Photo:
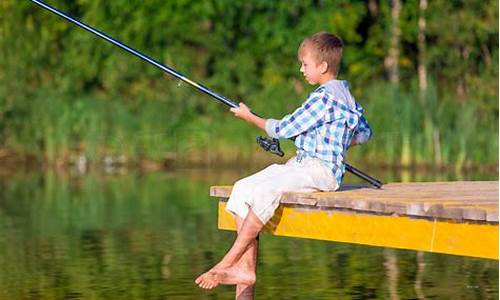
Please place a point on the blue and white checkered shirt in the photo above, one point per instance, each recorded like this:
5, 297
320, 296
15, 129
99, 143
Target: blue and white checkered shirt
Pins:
325, 125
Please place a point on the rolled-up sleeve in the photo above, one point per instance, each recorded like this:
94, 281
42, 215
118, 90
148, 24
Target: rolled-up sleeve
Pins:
271, 125
307, 116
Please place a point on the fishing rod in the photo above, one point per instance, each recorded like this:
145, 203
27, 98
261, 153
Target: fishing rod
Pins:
269, 144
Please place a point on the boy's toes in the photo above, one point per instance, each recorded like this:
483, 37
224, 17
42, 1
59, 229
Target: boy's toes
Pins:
203, 285
201, 280
206, 281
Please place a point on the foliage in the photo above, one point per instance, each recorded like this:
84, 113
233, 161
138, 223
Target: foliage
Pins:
62, 88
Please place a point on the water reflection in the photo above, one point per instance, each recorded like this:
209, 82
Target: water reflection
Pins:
147, 236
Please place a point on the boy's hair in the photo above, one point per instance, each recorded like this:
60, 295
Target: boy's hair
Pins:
325, 46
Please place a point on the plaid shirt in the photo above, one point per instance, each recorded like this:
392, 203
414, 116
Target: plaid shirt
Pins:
325, 125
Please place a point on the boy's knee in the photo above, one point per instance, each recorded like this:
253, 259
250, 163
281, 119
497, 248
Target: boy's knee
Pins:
241, 186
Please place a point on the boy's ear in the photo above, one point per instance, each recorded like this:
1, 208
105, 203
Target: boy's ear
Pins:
323, 67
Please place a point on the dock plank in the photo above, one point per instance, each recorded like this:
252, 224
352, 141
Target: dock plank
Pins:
458, 200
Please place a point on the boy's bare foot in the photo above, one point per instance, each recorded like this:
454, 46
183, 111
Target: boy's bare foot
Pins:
207, 280
234, 275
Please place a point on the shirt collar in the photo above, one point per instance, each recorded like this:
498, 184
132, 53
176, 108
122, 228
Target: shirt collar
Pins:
336, 83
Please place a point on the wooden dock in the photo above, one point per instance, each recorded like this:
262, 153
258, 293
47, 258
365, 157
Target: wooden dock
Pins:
459, 218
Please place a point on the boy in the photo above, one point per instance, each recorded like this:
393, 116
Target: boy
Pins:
326, 124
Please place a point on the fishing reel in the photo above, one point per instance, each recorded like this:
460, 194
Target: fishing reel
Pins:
270, 144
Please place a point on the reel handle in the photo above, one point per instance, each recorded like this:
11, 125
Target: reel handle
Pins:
271, 145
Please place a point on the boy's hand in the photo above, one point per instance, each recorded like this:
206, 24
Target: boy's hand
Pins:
242, 112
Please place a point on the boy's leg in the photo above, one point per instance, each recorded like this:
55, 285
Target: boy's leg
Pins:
248, 264
290, 178
249, 230
243, 272
238, 205
240, 199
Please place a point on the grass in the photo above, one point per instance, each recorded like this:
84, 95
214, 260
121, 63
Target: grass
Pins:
408, 130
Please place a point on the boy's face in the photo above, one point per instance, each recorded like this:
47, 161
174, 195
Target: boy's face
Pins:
309, 67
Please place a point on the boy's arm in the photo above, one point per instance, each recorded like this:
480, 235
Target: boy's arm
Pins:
362, 134
307, 116
302, 119
244, 113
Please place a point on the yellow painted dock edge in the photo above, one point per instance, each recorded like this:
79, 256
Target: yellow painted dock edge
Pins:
465, 239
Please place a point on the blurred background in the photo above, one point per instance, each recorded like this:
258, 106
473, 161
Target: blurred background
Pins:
106, 162
425, 72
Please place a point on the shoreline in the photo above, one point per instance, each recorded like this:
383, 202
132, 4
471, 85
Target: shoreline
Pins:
10, 162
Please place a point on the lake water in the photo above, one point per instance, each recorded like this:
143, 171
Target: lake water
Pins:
147, 236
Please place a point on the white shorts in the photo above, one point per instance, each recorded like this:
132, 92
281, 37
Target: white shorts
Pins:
262, 191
